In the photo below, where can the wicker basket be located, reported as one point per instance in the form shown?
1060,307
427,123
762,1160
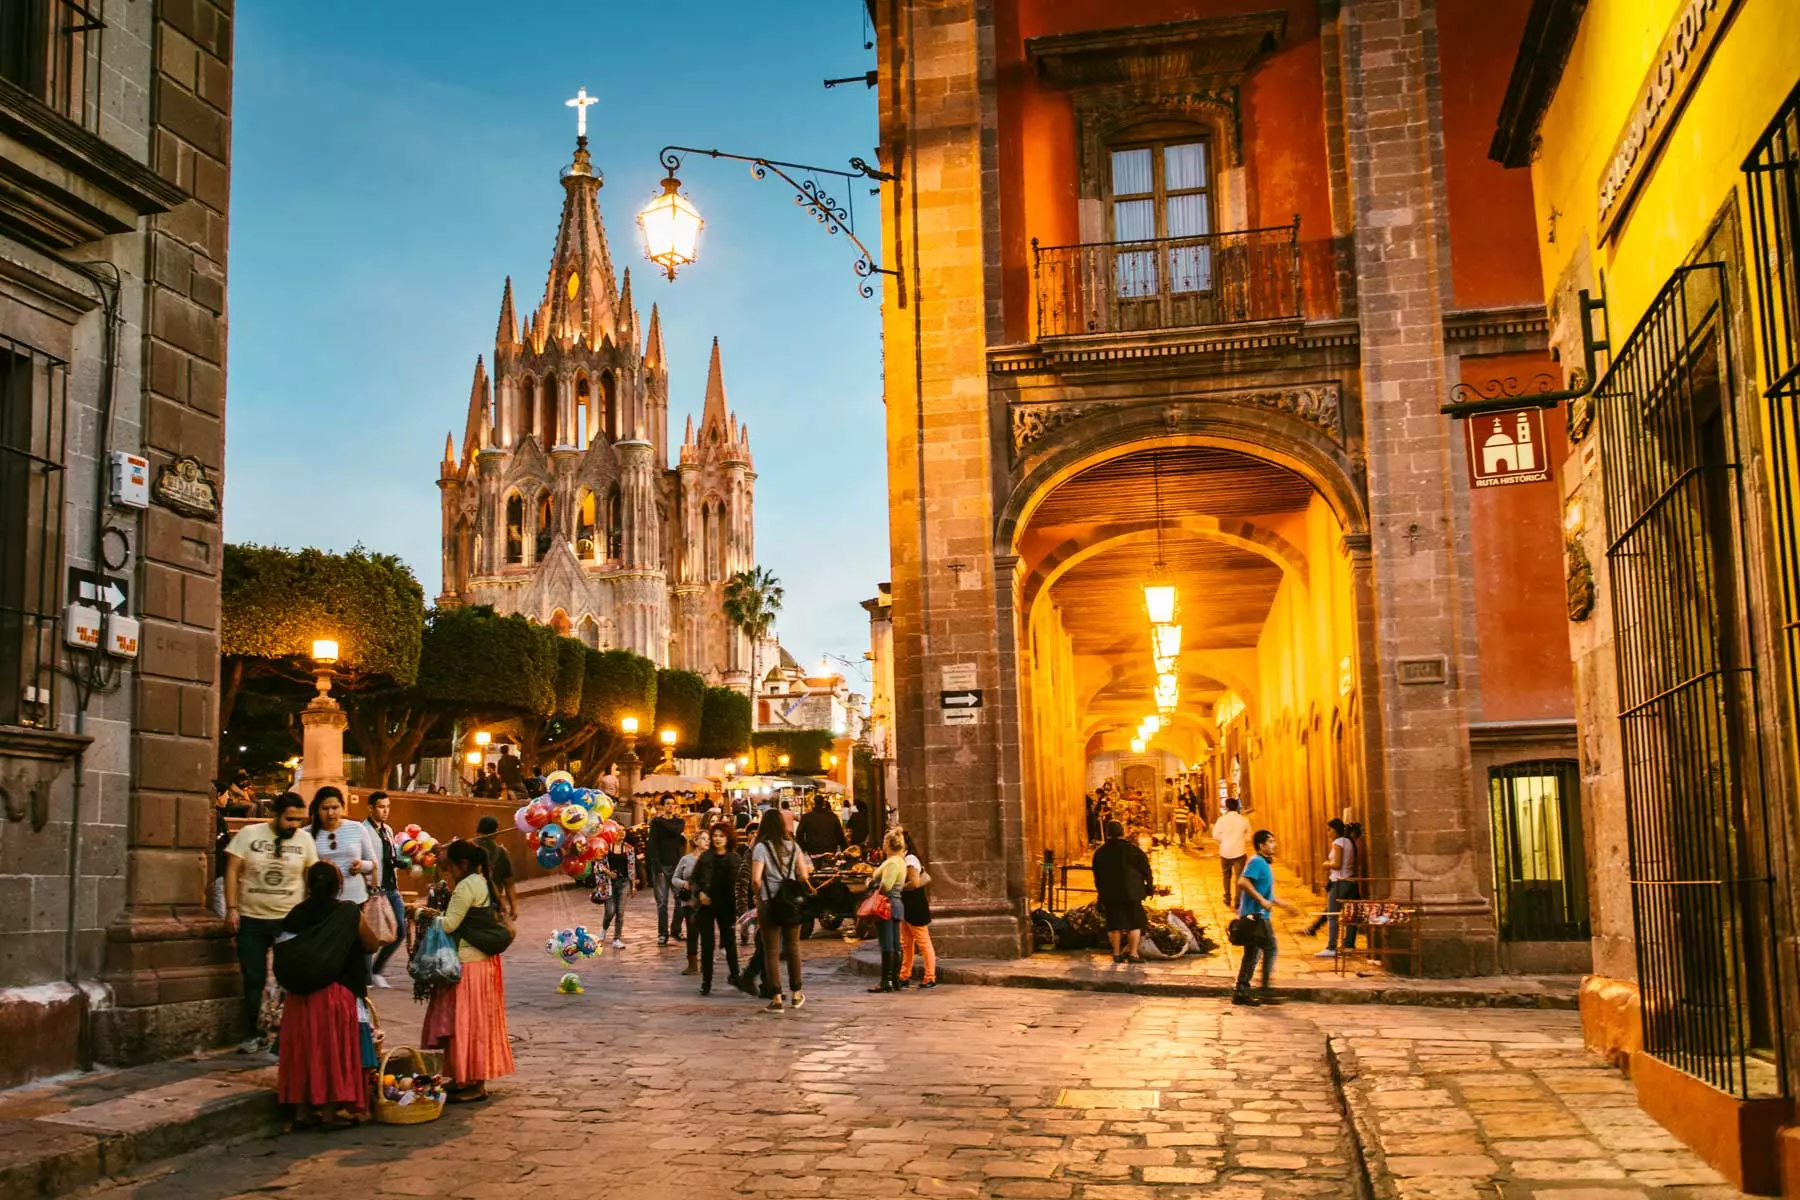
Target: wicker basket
391,1112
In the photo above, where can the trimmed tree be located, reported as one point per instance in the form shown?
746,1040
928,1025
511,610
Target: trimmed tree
724,723
680,699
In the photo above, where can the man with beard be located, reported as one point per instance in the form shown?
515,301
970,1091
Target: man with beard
1256,904
265,876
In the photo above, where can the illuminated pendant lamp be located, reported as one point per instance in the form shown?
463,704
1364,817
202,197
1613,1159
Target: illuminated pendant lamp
1160,599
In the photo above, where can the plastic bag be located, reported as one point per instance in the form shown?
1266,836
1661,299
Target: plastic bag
435,963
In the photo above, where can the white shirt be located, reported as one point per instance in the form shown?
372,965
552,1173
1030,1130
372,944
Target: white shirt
1233,833
1346,867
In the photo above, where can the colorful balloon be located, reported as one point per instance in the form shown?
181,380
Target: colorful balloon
548,857
571,816
562,791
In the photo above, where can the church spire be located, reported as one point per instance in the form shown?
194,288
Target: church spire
475,430
714,411
508,333
579,293
653,346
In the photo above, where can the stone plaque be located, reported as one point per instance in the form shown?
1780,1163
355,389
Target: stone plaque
185,486
1424,670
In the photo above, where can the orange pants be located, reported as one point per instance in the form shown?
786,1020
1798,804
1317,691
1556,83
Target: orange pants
920,936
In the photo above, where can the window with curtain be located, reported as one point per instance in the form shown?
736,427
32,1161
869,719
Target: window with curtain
1162,191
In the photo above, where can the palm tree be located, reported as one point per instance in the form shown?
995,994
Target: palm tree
752,599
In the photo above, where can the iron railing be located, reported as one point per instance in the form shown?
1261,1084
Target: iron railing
49,50
1697,813
34,394
1540,871
1168,283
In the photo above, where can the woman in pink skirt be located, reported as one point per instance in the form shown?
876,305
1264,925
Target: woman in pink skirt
467,1020
322,961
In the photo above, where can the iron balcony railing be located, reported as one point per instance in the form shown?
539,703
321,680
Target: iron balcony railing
1168,283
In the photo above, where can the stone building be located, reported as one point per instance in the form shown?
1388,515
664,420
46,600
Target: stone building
1663,143
1182,287
115,127
559,502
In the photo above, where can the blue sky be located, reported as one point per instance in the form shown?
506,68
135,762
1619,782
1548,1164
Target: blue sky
394,162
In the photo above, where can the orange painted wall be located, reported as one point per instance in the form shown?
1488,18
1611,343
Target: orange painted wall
1493,241
1516,538
1283,114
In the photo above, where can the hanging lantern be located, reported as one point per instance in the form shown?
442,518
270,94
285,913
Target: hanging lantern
671,226
1159,602
1165,640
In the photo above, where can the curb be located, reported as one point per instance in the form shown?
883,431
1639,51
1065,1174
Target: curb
1409,993
79,1147
1371,1179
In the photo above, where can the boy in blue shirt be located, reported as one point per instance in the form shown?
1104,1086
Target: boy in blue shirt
1256,899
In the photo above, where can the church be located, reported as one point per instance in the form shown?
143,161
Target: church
560,502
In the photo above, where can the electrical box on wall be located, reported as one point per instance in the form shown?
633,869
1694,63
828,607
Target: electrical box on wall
121,636
82,627
130,480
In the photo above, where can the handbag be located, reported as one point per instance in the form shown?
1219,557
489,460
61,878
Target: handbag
1241,931
485,929
378,914
876,905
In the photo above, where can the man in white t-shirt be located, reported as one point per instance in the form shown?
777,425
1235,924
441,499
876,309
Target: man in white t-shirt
265,876
1232,831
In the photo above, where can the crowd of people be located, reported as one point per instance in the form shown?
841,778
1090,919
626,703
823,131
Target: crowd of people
319,894
1120,821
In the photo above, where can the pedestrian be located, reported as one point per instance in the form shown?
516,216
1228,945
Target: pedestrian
715,903
346,845
915,932
467,1019
859,825
751,974
1122,881
780,877
618,875
668,841
1341,868
1232,832
386,881
221,839
889,880
1183,819
681,882
1091,807
239,800
535,785
500,865
1256,902
322,961
512,775
820,831
265,876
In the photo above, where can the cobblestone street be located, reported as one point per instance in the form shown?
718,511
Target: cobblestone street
642,1088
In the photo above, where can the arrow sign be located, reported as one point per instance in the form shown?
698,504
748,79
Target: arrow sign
94,588
965,699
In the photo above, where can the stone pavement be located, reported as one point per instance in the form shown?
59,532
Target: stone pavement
642,1088
1444,1112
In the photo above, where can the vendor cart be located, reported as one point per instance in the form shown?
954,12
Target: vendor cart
840,881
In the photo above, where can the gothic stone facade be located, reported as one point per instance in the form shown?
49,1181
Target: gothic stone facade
560,505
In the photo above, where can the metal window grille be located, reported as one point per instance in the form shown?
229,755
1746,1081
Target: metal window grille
1696,806
1168,283
1540,871
33,408
50,49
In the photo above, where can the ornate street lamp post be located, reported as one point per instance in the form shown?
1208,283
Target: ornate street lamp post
628,728
322,724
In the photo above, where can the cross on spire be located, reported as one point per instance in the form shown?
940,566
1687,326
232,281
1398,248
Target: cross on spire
580,105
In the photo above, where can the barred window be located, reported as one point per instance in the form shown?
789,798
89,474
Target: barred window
1540,883
46,51
33,407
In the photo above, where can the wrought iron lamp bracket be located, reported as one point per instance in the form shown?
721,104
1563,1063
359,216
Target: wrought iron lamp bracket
825,208
1504,395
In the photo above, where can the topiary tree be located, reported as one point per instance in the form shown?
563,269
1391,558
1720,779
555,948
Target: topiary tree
680,697
724,723
805,749
275,602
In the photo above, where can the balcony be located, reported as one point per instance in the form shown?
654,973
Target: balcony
1221,279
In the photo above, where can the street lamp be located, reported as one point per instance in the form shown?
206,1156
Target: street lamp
325,651
628,728
482,738
671,224
667,765
782,762
474,758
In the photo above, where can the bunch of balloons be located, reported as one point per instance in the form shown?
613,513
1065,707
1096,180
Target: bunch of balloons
417,849
569,827
572,944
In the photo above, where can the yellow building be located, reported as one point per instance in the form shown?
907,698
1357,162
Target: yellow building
1663,139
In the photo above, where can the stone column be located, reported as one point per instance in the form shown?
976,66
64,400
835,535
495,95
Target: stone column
1417,500
322,744
957,785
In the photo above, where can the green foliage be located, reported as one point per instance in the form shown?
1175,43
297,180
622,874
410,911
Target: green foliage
275,602
571,672
679,695
618,684
724,723
753,600
478,663
805,749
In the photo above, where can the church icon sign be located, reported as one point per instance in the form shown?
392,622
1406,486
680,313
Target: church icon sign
1507,447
